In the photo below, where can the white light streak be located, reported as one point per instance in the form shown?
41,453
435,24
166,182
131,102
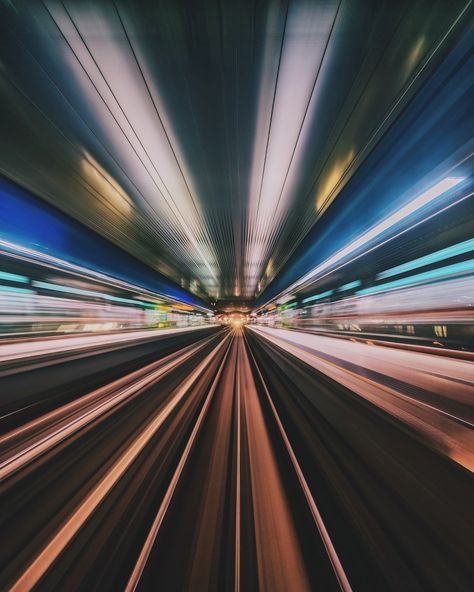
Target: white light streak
20,252
132,117
284,114
414,206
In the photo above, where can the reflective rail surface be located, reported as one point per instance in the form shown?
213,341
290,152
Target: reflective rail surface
243,459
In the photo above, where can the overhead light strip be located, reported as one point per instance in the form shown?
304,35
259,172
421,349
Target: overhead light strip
428,196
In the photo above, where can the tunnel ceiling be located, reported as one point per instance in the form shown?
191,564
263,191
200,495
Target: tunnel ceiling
206,138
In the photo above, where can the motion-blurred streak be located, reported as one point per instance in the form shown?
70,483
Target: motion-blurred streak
384,230
431,395
148,114
52,550
23,445
77,302
22,352
236,295
332,553
190,458
140,564
43,295
207,519
235,482
398,511
279,555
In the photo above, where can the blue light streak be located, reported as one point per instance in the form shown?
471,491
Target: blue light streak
442,272
458,249
91,293
16,290
13,277
318,296
350,286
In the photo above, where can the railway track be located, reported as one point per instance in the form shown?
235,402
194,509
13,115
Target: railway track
227,464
